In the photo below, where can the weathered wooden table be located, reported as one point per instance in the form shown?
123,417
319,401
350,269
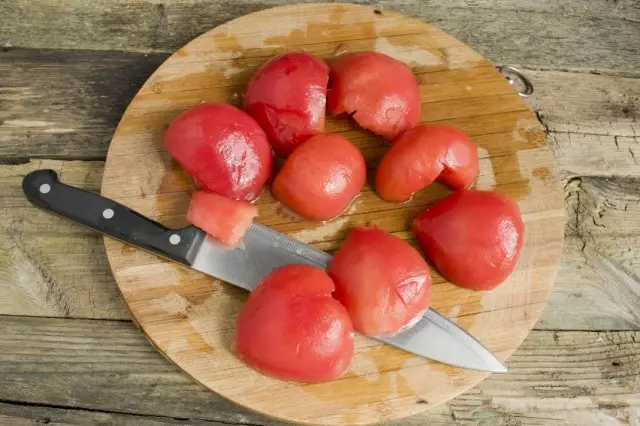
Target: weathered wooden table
69,352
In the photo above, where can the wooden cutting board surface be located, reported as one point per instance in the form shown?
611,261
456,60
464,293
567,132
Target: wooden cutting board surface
190,317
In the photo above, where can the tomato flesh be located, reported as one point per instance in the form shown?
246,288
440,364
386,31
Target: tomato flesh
473,238
224,219
382,281
292,329
380,92
321,177
423,154
222,148
287,96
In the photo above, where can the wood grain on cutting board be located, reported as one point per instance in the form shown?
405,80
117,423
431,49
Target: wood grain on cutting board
190,317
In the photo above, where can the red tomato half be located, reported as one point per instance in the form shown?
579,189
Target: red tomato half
381,92
422,155
382,281
292,329
224,219
321,177
287,96
472,237
222,148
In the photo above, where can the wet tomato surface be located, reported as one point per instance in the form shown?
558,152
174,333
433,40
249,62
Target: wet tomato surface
379,92
287,96
222,148
321,177
224,219
422,155
473,238
382,281
292,329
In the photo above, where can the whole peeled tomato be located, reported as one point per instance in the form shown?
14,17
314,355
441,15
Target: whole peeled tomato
222,148
382,281
321,177
422,155
472,237
292,329
288,97
380,92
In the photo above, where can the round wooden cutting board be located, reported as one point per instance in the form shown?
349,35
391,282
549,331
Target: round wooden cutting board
190,317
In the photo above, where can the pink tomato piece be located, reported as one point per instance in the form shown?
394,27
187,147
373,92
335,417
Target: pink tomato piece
222,148
382,281
473,238
224,219
292,329
380,92
423,154
321,177
287,96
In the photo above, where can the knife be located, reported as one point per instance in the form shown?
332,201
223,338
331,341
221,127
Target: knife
434,336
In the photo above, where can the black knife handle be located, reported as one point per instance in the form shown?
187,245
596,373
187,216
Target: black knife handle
44,190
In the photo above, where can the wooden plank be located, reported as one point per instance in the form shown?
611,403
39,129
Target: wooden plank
17,414
604,208
561,378
593,290
113,360
591,104
72,101
554,378
545,33
599,278
594,126
60,269
69,104
49,266
579,154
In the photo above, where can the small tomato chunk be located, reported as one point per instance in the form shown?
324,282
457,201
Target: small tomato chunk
422,155
224,219
473,238
321,177
292,329
380,92
382,281
222,148
287,96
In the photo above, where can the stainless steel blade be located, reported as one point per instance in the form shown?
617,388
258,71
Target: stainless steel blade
434,336
437,338
262,251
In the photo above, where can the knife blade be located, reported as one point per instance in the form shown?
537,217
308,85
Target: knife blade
264,249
